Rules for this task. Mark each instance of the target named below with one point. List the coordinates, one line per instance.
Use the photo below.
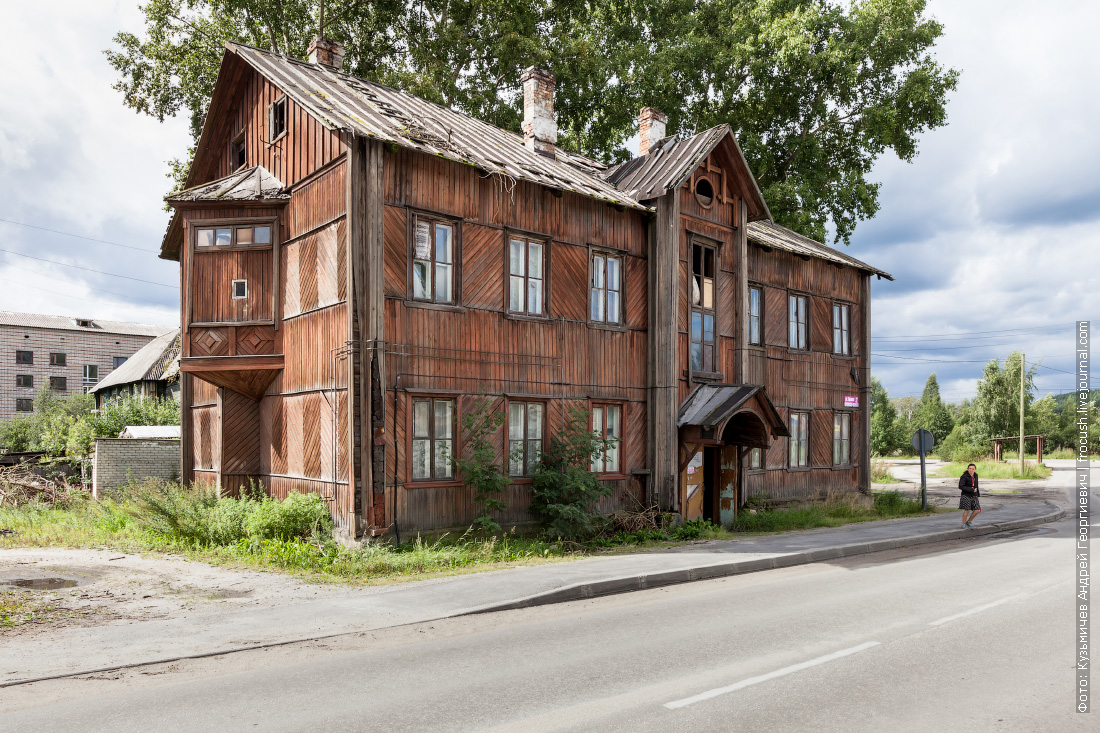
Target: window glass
(842, 445)
(525, 421)
(261, 235)
(605, 297)
(24, 380)
(433, 423)
(756, 458)
(223, 237)
(796, 318)
(244, 235)
(606, 424)
(57, 359)
(800, 440)
(703, 308)
(754, 316)
(24, 357)
(433, 261)
(842, 341)
(204, 238)
(24, 405)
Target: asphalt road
(975, 635)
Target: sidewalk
(85, 650)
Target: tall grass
(995, 470)
(837, 509)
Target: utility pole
(1022, 363)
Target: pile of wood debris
(20, 485)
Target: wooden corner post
(664, 268)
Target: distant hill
(1061, 400)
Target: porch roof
(711, 405)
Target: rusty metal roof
(344, 102)
(158, 359)
(770, 234)
(670, 162)
(251, 184)
(71, 323)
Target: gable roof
(770, 234)
(348, 103)
(672, 161)
(158, 359)
(69, 323)
(251, 184)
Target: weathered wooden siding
(476, 349)
(307, 145)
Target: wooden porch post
(664, 261)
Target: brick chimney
(651, 128)
(326, 52)
(540, 131)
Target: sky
(991, 232)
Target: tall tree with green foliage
(815, 90)
(995, 412)
(932, 414)
(885, 434)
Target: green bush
(564, 489)
(298, 516)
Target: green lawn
(991, 470)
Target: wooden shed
(360, 267)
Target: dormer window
(237, 155)
(276, 119)
(85, 323)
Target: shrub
(564, 488)
(479, 467)
(298, 516)
(174, 511)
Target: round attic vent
(704, 192)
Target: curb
(630, 583)
(615, 586)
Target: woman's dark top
(969, 484)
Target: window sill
(435, 306)
(704, 376)
(799, 469)
(603, 326)
(433, 484)
(848, 467)
(845, 357)
(612, 476)
(527, 317)
(792, 350)
(754, 471)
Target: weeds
(835, 510)
(880, 473)
(992, 469)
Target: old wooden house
(361, 267)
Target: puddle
(40, 583)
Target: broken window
(237, 156)
(433, 261)
(276, 118)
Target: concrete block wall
(80, 348)
(119, 460)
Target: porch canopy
(730, 414)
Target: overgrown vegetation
(65, 427)
(564, 488)
(480, 467)
(880, 473)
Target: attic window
(240, 289)
(237, 154)
(276, 119)
(704, 192)
(85, 323)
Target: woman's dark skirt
(969, 503)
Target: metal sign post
(923, 442)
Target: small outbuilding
(151, 372)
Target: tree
(995, 412)
(816, 90)
(885, 435)
(480, 466)
(931, 413)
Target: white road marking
(769, 676)
(972, 611)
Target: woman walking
(968, 501)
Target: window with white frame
(842, 337)
(433, 434)
(606, 425)
(433, 261)
(525, 427)
(525, 276)
(605, 293)
(240, 289)
(798, 322)
(842, 443)
(89, 376)
(800, 440)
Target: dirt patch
(49, 588)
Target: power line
(78, 236)
(88, 269)
(66, 295)
(974, 333)
(89, 287)
(954, 348)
